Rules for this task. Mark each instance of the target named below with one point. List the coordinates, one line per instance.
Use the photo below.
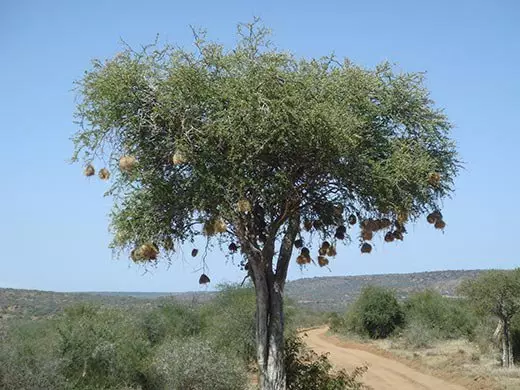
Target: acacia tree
(497, 293)
(260, 151)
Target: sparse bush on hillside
(29, 356)
(307, 370)
(376, 313)
(195, 365)
(445, 318)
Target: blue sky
(53, 221)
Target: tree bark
(269, 286)
(507, 346)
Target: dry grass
(457, 361)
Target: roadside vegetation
(167, 346)
(475, 335)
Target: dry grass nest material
(89, 170)
(104, 174)
(127, 163)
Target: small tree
(376, 313)
(254, 148)
(497, 293)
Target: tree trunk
(507, 346)
(269, 332)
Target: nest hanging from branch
(204, 279)
(389, 237)
(352, 219)
(367, 235)
(307, 225)
(232, 247)
(366, 248)
(104, 174)
(89, 170)
(179, 158)
(298, 243)
(127, 163)
(434, 179)
(323, 261)
(194, 252)
(440, 224)
(244, 206)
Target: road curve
(383, 373)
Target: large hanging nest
(104, 174)
(301, 260)
(325, 245)
(204, 279)
(145, 252)
(244, 206)
(179, 158)
(89, 170)
(127, 163)
(434, 179)
(366, 248)
(323, 261)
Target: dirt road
(383, 373)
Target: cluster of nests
(127, 164)
(103, 173)
(326, 249)
(368, 228)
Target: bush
(419, 335)
(103, 348)
(171, 320)
(447, 318)
(307, 370)
(230, 322)
(376, 313)
(195, 365)
(28, 356)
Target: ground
(450, 366)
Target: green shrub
(196, 365)
(28, 356)
(307, 370)
(376, 313)
(447, 318)
(230, 321)
(419, 335)
(171, 320)
(103, 348)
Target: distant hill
(335, 293)
(319, 293)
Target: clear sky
(53, 221)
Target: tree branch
(286, 249)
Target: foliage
(494, 292)
(446, 318)
(102, 348)
(307, 370)
(29, 356)
(376, 313)
(171, 320)
(193, 364)
(282, 137)
(230, 321)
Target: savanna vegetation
(483, 321)
(169, 345)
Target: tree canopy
(234, 142)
